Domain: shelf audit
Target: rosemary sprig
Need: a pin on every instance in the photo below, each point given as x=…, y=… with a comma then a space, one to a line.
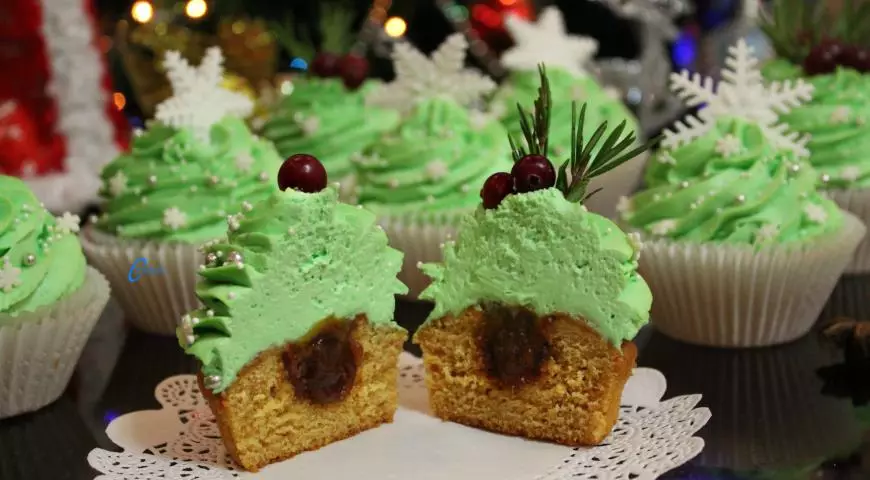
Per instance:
x=336, y=29
x=794, y=27
x=589, y=158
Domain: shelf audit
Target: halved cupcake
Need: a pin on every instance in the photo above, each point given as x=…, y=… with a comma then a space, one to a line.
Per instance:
x=297, y=340
x=537, y=301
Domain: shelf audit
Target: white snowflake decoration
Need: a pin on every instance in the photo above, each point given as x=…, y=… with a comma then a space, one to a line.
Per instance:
x=174, y=218
x=767, y=232
x=728, y=145
x=436, y=170
x=546, y=41
x=815, y=213
x=742, y=93
x=443, y=74
x=841, y=115
x=663, y=227
x=244, y=162
x=850, y=174
x=198, y=100
x=67, y=223
x=117, y=184
x=10, y=277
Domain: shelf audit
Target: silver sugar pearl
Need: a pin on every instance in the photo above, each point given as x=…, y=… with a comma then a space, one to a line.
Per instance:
x=213, y=180
x=740, y=198
x=209, y=313
x=29, y=259
x=263, y=177
x=235, y=257
x=231, y=296
x=190, y=339
x=211, y=258
x=795, y=167
x=826, y=178
x=684, y=184
x=212, y=382
x=152, y=180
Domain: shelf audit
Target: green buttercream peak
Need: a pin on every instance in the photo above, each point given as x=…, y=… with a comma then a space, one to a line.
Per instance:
x=293, y=261
x=41, y=259
x=540, y=251
x=173, y=187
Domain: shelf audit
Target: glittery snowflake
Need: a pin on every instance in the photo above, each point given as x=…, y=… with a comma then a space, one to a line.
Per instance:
x=174, y=218
x=443, y=74
x=546, y=41
x=663, y=227
x=742, y=93
x=244, y=161
x=815, y=213
x=850, y=174
x=436, y=170
x=841, y=115
x=198, y=100
x=67, y=223
x=766, y=233
x=728, y=145
x=10, y=277
x=117, y=184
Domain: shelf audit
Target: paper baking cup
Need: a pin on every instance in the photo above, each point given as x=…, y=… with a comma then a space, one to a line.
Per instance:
x=858, y=202
x=619, y=182
x=420, y=238
x=737, y=296
x=156, y=301
x=39, y=350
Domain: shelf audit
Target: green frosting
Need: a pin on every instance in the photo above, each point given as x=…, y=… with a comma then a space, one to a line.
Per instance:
x=759, y=195
x=436, y=160
x=322, y=118
x=173, y=187
x=293, y=261
x=540, y=251
x=522, y=87
x=838, y=120
x=42, y=260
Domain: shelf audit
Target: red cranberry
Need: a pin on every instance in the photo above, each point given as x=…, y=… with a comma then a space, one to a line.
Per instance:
x=496, y=188
x=302, y=172
x=325, y=64
x=353, y=69
x=824, y=57
x=856, y=57
x=533, y=172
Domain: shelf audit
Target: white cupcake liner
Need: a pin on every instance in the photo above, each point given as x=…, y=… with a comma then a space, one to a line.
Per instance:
x=856, y=201
x=39, y=350
x=738, y=296
x=619, y=182
x=420, y=240
x=154, y=303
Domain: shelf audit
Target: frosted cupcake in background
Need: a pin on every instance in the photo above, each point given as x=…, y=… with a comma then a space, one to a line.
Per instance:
x=326, y=116
x=837, y=119
x=184, y=178
x=565, y=57
x=740, y=250
x=49, y=300
x=422, y=177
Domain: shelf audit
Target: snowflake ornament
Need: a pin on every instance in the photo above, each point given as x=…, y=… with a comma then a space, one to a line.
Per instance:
x=67, y=223
x=198, y=100
x=443, y=74
x=742, y=93
x=728, y=145
x=174, y=218
x=815, y=213
x=10, y=277
x=546, y=41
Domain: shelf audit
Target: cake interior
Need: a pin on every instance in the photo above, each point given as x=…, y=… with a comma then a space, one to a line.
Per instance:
x=263, y=419
x=570, y=390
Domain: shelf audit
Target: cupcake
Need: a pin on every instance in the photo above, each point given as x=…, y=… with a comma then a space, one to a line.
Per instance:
x=837, y=119
x=740, y=250
x=297, y=340
x=537, y=301
x=324, y=118
x=569, y=80
x=49, y=300
x=194, y=166
x=423, y=176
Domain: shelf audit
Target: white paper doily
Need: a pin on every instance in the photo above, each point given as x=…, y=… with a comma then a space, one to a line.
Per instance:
x=181, y=442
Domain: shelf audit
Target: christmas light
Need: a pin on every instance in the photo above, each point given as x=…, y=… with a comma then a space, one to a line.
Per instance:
x=119, y=100
x=195, y=8
x=142, y=11
x=395, y=27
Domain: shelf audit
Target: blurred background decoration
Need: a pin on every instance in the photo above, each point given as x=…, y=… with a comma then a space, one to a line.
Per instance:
x=266, y=42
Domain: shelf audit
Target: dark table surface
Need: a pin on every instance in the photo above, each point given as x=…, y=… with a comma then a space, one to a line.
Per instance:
x=796, y=411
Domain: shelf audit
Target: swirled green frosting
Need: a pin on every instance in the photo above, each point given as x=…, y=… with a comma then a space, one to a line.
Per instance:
x=838, y=120
x=436, y=160
x=732, y=186
x=173, y=187
x=293, y=261
x=522, y=87
x=545, y=253
x=42, y=260
x=323, y=118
